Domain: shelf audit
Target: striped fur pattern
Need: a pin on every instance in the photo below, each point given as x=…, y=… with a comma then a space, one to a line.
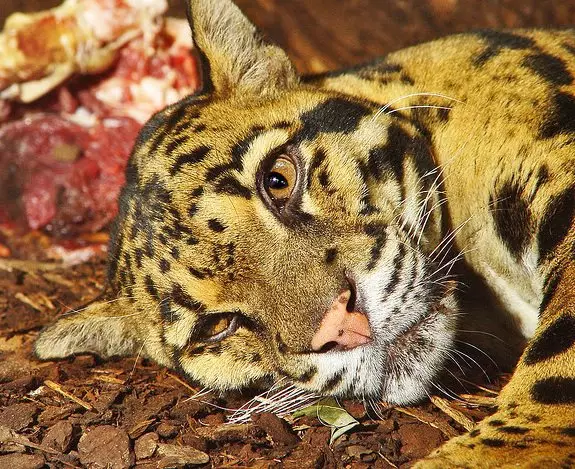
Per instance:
x=459, y=151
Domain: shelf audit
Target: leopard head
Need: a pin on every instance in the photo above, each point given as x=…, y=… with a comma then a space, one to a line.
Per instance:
x=272, y=227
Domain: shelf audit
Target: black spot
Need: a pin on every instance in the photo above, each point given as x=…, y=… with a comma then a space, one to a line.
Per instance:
x=388, y=159
x=499, y=40
x=554, y=390
x=556, y=222
x=474, y=433
x=397, y=268
x=512, y=217
x=318, y=158
x=551, y=283
x=192, y=241
x=375, y=252
x=443, y=114
x=197, y=273
x=374, y=230
x=550, y=68
x=193, y=209
x=333, y=382
x=282, y=347
x=496, y=423
x=197, y=192
x=323, y=179
x=555, y=339
x=514, y=430
x=175, y=252
x=181, y=298
x=174, y=143
x=230, y=185
x=255, y=358
x=164, y=266
x=151, y=288
x=560, y=119
x=162, y=239
x=200, y=128
x=282, y=125
x=139, y=254
x=330, y=255
x=195, y=156
x=533, y=418
x=568, y=431
x=216, y=225
x=307, y=375
x=334, y=115
x=493, y=442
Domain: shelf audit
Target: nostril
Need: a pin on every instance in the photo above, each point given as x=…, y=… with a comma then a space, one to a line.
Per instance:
x=350, y=307
x=329, y=346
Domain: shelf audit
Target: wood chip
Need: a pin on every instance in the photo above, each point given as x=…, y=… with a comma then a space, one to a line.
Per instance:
x=429, y=419
x=443, y=405
x=29, y=301
x=109, y=379
x=30, y=267
x=56, y=387
x=484, y=401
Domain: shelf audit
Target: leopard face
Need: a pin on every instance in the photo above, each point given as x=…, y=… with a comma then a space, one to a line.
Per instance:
x=257, y=206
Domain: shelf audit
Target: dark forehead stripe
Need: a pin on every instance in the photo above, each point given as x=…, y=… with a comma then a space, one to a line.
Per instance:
x=512, y=217
x=552, y=69
x=334, y=115
x=555, y=339
x=498, y=41
x=559, y=217
x=555, y=390
x=238, y=152
x=193, y=157
x=231, y=186
x=181, y=298
x=560, y=118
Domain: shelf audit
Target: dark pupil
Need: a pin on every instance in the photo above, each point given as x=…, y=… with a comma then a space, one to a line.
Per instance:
x=277, y=181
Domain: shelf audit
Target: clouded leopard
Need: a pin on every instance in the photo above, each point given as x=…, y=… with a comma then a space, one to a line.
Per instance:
x=308, y=228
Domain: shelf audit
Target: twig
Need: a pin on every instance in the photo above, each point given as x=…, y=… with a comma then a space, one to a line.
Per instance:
x=56, y=387
x=443, y=405
x=182, y=382
x=386, y=460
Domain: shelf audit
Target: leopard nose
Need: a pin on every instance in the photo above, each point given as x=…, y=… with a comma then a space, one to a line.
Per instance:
x=342, y=328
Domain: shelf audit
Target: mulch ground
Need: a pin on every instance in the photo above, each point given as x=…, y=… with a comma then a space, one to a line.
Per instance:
x=85, y=412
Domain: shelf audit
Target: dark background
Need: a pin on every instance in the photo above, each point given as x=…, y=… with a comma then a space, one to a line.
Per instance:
x=325, y=34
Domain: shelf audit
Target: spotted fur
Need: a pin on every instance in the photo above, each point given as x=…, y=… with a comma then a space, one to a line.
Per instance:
x=459, y=151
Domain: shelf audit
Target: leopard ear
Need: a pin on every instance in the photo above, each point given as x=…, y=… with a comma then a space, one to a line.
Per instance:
x=102, y=327
x=234, y=56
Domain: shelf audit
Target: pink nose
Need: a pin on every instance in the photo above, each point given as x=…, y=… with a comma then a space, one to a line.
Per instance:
x=341, y=329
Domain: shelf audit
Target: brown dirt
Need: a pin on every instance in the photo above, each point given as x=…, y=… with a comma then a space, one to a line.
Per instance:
x=85, y=412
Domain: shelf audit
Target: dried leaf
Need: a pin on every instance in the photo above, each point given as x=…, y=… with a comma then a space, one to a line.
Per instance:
x=331, y=414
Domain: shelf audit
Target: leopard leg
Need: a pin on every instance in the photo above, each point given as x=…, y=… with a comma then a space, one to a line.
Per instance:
x=534, y=425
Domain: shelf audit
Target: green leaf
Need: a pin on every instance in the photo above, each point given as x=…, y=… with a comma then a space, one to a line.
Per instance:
x=330, y=413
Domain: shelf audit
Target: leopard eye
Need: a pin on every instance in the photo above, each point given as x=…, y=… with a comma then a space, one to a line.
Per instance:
x=280, y=180
x=217, y=327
